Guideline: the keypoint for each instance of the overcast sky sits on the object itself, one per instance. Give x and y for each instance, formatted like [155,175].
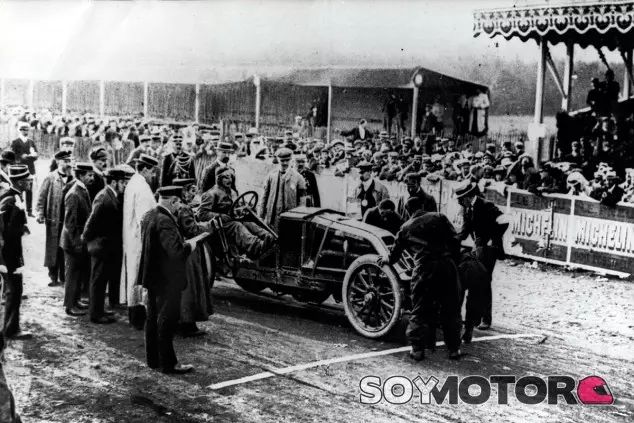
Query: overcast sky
[188,41]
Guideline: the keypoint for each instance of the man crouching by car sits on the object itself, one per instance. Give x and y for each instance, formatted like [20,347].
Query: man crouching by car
[435,286]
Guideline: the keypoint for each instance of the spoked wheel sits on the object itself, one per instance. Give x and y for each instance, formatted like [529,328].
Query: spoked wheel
[312,297]
[372,297]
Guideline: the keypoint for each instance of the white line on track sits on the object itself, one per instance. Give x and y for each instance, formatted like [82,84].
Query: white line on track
[299,367]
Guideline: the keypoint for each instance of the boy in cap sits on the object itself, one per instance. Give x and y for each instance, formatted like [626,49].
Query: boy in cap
[25,152]
[77,207]
[164,252]
[50,211]
[12,213]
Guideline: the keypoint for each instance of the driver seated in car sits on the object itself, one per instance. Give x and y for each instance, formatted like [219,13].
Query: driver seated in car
[249,238]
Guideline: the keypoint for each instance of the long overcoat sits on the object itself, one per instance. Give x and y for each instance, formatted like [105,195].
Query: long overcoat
[50,206]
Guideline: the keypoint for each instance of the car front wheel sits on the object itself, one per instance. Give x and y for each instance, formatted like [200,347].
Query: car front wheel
[372,297]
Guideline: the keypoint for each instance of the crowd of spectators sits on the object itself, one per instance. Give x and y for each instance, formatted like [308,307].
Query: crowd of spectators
[591,167]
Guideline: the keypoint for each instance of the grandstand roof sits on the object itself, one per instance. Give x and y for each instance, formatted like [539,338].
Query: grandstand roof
[605,23]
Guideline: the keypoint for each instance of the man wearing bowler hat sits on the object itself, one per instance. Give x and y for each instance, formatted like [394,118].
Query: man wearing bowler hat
[50,211]
[223,151]
[485,222]
[162,272]
[77,207]
[137,200]
[284,190]
[26,154]
[13,225]
[103,237]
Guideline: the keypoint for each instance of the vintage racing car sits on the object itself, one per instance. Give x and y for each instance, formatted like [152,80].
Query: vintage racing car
[322,252]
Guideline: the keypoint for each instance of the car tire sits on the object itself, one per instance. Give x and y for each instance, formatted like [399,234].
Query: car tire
[388,289]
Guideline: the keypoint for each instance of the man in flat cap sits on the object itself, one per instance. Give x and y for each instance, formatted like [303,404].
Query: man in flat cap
[284,190]
[13,227]
[223,151]
[99,159]
[103,237]
[162,274]
[77,207]
[312,191]
[25,152]
[50,211]
[137,199]
[144,146]
[178,164]
[370,192]
[414,189]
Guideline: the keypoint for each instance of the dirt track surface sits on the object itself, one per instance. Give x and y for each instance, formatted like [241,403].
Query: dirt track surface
[74,371]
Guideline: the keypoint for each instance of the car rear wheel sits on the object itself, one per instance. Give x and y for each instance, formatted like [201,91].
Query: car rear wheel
[372,297]
[312,297]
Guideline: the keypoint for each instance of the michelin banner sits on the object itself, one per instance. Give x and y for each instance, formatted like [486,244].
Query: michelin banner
[557,229]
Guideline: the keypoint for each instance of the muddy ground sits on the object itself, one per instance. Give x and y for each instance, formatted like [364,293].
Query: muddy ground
[74,371]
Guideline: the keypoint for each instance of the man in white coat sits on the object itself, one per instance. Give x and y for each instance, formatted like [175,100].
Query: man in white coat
[137,200]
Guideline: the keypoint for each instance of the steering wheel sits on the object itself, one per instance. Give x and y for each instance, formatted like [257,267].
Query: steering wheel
[246,200]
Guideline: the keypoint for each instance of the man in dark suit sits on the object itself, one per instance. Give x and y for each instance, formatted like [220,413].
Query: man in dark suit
[384,216]
[25,153]
[162,273]
[427,202]
[177,165]
[312,191]
[485,222]
[358,133]
[613,192]
[77,207]
[99,158]
[13,227]
[103,238]
[223,151]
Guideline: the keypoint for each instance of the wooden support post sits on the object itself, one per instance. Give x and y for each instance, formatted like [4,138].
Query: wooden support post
[627,78]
[64,97]
[568,67]
[541,73]
[258,101]
[414,112]
[197,104]
[102,98]
[146,96]
[553,71]
[329,124]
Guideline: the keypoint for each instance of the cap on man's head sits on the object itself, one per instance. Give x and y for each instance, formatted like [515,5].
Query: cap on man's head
[465,189]
[23,125]
[170,191]
[611,175]
[147,160]
[83,167]
[519,144]
[299,157]
[18,172]
[412,178]
[364,166]
[144,138]
[66,141]
[284,153]
[117,174]
[62,155]
[7,157]
[387,205]
[98,154]
[183,182]
[225,146]
[177,139]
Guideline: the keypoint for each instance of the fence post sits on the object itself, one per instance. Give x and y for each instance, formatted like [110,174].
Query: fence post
[2,92]
[328,136]
[29,94]
[146,95]
[64,96]
[102,98]
[197,104]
